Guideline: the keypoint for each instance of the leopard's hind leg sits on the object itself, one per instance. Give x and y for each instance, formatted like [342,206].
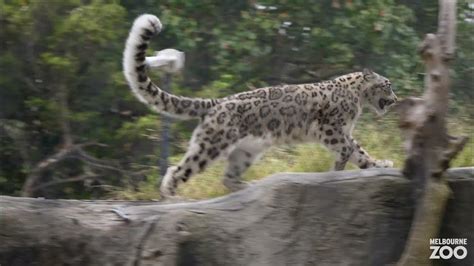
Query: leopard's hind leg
[204,148]
[246,152]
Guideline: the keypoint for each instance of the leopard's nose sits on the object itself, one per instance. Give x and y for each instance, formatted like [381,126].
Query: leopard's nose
[391,101]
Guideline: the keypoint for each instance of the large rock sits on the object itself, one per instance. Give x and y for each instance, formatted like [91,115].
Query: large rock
[334,218]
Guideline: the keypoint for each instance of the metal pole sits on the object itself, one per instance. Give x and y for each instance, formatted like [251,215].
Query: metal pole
[170,61]
[165,129]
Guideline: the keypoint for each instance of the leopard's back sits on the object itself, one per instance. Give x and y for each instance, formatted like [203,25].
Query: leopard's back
[286,113]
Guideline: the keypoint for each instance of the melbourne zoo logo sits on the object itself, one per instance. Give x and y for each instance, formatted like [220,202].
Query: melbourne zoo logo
[446,248]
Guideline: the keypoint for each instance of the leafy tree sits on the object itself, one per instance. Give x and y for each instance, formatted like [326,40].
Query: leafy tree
[61,84]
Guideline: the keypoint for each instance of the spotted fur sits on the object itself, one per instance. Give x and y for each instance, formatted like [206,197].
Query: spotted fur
[134,69]
[240,127]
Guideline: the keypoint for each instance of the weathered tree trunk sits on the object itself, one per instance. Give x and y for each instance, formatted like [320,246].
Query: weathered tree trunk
[337,218]
[429,147]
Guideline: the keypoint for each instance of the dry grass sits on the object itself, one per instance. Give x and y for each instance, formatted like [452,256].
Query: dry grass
[380,138]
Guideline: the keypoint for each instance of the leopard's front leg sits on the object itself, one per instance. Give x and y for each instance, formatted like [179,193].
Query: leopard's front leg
[341,146]
[361,158]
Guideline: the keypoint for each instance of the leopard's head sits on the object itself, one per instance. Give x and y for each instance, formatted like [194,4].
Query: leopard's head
[378,92]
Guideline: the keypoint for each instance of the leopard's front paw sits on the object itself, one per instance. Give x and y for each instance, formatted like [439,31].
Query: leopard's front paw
[383,164]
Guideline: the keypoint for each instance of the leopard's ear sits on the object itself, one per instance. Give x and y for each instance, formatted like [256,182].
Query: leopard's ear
[369,74]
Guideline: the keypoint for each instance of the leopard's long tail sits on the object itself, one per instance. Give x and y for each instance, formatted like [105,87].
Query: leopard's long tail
[134,69]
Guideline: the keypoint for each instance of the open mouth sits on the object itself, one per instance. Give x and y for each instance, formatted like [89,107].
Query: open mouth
[383,103]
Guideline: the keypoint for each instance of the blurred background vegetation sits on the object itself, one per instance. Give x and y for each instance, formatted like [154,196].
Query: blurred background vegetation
[69,122]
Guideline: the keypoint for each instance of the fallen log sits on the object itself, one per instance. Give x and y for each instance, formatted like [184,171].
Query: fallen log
[359,217]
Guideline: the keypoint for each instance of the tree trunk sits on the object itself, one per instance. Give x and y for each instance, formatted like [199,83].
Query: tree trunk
[430,149]
[357,217]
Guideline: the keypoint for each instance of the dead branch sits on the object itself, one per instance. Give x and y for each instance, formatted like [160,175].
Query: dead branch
[429,147]
[75,151]
[36,173]
[78,178]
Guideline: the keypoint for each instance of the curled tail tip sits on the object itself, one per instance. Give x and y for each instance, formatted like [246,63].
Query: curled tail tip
[148,22]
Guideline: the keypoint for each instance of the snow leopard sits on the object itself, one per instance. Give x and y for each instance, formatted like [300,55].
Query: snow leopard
[242,126]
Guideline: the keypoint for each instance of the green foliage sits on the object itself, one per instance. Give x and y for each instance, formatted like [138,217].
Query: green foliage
[91,24]
[137,129]
[66,55]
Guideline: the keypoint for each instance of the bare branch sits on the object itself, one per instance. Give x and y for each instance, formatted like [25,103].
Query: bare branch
[447,28]
[67,152]
[36,172]
[429,147]
[79,178]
